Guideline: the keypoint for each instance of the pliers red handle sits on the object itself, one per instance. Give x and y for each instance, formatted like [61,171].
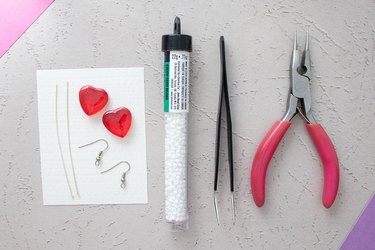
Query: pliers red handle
[299,102]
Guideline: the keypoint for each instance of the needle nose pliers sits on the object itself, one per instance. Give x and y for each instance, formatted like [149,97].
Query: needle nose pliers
[299,102]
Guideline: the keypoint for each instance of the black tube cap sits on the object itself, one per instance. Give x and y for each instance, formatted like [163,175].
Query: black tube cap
[176,41]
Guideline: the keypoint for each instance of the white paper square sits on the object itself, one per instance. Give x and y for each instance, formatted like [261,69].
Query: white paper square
[125,87]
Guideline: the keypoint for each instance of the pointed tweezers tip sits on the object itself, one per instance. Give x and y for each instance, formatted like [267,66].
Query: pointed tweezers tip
[216,209]
[233,209]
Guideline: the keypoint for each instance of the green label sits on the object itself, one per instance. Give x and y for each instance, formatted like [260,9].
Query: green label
[166,87]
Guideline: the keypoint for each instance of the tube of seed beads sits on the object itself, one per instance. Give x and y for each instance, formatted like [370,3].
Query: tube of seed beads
[176,48]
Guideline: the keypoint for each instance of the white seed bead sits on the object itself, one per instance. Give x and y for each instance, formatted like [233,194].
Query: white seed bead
[176,167]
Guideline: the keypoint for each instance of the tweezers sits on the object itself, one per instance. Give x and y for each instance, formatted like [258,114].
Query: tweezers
[224,100]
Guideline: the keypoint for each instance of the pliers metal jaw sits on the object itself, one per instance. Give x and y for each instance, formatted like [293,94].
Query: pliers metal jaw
[299,101]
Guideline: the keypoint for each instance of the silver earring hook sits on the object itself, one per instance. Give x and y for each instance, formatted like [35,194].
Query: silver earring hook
[123,176]
[98,160]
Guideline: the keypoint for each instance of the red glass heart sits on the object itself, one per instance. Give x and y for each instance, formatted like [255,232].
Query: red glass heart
[92,99]
[118,121]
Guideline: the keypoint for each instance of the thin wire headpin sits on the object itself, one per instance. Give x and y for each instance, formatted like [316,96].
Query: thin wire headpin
[98,159]
[123,176]
[59,143]
[69,143]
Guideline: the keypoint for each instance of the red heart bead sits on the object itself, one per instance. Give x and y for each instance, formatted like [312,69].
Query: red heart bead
[92,99]
[118,121]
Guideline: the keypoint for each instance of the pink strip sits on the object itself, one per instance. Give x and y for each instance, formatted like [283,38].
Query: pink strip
[16,16]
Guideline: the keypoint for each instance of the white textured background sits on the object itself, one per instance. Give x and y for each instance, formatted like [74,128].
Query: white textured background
[86,33]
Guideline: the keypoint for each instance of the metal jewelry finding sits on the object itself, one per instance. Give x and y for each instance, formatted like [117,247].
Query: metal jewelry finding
[123,176]
[69,140]
[98,159]
[59,142]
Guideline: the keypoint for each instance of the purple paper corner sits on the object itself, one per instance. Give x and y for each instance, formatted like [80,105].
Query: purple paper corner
[362,235]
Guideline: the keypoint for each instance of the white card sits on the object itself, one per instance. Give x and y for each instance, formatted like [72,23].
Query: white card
[125,87]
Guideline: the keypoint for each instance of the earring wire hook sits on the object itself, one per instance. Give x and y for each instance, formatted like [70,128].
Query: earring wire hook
[91,143]
[123,177]
[98,160]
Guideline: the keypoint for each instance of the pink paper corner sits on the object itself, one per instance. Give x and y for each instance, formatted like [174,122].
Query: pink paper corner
[16,16]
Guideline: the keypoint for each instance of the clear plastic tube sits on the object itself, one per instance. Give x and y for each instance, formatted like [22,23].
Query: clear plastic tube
[176,48]
[176,210]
